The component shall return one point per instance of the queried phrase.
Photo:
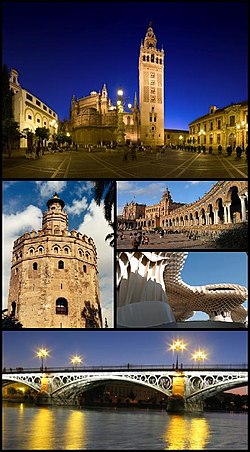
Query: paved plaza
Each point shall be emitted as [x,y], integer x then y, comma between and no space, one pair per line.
[173,164]
[167,242]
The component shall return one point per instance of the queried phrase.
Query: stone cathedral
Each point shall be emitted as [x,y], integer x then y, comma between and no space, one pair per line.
[54,276]
[94,120]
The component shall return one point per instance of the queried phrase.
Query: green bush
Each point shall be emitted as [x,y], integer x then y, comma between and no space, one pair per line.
[236,238]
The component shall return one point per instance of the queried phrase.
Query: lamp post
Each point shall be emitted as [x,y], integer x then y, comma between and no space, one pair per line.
[120,124]
[75,360]
[178,345]
[199,355]
[42,353]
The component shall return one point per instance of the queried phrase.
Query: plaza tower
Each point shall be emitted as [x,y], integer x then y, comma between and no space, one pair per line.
[54,276]
[151,87]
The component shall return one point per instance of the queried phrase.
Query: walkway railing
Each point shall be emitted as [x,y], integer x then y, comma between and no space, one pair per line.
[131,367]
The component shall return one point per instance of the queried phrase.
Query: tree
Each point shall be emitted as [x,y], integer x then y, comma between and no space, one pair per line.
[10,322]
[10,130]
[104,191]
[43,134]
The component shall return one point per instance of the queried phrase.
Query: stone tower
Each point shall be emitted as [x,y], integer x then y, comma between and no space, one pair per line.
[151,86]
[54,276]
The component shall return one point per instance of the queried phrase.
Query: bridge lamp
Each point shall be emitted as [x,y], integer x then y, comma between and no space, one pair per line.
[42,353]
[178,345]
[76,360]
[199,355]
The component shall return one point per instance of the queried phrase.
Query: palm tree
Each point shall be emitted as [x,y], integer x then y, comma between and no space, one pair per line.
[104,191]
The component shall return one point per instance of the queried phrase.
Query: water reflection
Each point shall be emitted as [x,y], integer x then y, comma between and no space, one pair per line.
[43,430]
[186,433]
[75,431]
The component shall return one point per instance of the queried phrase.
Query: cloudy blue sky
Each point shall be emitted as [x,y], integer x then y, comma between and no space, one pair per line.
[150,192]
[23,204]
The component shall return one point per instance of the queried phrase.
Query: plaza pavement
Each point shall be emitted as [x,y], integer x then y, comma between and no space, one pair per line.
[81,164]
[167,242]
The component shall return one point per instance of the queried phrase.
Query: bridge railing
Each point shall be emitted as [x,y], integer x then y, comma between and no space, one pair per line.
[130,367]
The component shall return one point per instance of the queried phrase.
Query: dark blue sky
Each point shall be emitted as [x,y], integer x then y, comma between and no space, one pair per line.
[120,347]
[66,48]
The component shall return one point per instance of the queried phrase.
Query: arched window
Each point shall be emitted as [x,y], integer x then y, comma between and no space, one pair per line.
[56,249]
[35,266]
[87,255]
[84,269]
[60,265]
[13,309]
[40,249]
[61,306]
[66,250]
[31,251]
[80,253]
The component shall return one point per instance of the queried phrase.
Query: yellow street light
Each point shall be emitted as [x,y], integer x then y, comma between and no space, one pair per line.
[178,345]
[199,355]
[76,359]
[42,353]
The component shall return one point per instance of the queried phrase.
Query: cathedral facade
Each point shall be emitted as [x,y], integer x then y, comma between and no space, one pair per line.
[54,275]
[94,120]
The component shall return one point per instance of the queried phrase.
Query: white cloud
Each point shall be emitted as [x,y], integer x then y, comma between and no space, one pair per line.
[125,186]
[48,188]
[94,225]
[78,206]
[14,225]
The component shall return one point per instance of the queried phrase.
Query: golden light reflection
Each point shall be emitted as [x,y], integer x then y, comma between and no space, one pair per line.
[43,430]
[186,433]
[75,431]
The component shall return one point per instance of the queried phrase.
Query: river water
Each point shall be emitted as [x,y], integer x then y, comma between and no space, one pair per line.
[27,427]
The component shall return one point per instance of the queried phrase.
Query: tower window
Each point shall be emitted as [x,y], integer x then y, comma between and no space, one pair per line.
[35,266]
[62,306]
[13,309]
[84,269]
[40,250]
[87,255]
[56,249]
[160,61]
[80,253]
[31,252]
[61,265]
[147,57]
[156,59]
[143,58]
[152,58]
[66,250]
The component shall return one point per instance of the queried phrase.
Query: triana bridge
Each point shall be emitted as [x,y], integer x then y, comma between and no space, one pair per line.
[60,386]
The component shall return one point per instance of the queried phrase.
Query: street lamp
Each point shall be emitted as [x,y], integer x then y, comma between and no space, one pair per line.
[42,353]
[75,360]
[120,124]
[178,345]
[199,355]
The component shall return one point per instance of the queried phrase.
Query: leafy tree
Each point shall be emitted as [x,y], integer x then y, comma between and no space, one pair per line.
[91,315]
[235,238]
[10,322]
[10,130]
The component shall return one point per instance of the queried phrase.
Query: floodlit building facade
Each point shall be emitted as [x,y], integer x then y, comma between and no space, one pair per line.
[29,111]
[54,276]
[151,292]
[224,127]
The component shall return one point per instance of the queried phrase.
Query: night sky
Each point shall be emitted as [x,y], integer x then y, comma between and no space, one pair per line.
[64,49]
[120,347]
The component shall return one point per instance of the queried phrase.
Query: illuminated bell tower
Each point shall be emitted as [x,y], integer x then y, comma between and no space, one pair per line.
[151,86]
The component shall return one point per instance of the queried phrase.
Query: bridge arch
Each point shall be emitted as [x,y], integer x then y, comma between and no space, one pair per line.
[33,382]
[212,385]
